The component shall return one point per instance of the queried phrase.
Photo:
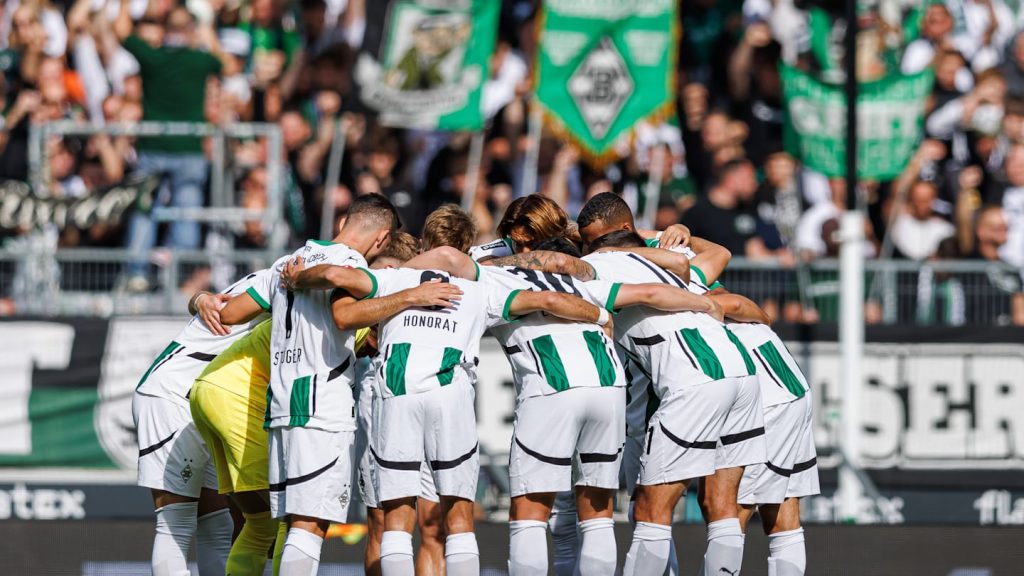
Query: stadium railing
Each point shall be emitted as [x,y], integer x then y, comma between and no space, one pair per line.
[44,280]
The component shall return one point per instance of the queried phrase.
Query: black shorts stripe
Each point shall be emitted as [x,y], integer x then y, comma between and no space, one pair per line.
[595,457]
[796,469]
[157,446]
[728,439]
[699,444]
[393,464]
[449,464]
[546,459]
[300,479]
[649,341]
[339,370]
[510,350]
[202,357]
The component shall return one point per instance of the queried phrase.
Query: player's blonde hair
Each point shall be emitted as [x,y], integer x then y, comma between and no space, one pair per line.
[403,247]
[449,225]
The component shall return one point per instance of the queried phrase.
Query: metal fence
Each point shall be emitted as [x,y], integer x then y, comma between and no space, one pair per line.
[42,280]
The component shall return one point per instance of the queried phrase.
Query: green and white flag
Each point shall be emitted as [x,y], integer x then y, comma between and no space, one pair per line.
[423,63]
[890,114]
[604,65]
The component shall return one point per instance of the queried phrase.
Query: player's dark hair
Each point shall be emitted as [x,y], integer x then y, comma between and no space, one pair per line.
[559,244]
[376,210]
[618,239]
[607,207]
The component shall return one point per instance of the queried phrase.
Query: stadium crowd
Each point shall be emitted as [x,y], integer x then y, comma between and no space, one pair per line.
[724,174]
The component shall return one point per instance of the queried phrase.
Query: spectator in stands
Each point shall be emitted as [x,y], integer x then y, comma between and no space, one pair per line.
[937,33]
[174,81]
[725,215]
[1013,67]
[1012,202]
[990,236]
[918,231]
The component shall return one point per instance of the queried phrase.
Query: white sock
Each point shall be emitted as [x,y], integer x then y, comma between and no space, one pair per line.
[527,548]
[461,555]
[175,526]
[301,556]
[725,548]
[565,540]
[213,541]
[648,554]
[673,561]
[396,554]
[597,551]
[787,554]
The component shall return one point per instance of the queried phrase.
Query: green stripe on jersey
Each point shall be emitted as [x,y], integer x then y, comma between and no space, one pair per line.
[171,349]
[299,402]
[551,363]
[506,311]
[700,274]
[706,357]
[747,360]
[394,370]
[373,282]
[602,361]
[452,358]
[613,293]
[778,365]
[257,298]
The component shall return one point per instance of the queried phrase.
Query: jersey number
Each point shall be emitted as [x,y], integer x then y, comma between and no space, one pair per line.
[430,275]
[547,281]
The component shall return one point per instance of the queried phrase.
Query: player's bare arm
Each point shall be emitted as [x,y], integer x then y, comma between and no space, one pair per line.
[208,305]
[350,313]
[553,262]
[349,308]
[667,299]
[447,259]
[740,308]
[711,258]
[674,262]
[240,309]
[564,306]
[674,235]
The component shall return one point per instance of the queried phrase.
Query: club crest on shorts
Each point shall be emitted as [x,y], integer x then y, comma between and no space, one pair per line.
[186,473]
[343,498]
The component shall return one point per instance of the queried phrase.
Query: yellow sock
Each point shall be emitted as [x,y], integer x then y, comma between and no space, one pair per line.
[282,535]
[248,554]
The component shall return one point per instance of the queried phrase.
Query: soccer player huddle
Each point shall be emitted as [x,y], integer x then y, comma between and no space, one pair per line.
[632,365]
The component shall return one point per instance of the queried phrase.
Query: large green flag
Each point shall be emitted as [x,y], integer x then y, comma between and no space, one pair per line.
[423,63]
[604,65]
[890,113]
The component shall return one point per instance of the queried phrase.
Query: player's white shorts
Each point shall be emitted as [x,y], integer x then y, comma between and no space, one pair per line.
[172,454]
[742,442]
[682,437]
[588,424]
[792,469]
[310,473]
[438,427]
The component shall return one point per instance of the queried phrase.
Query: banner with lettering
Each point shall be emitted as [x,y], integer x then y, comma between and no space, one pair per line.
[20,209]
[604,65]
[423,63]
[890,114]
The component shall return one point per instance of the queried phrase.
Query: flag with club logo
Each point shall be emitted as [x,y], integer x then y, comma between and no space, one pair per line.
[890,114]
[604,65]
[423,63]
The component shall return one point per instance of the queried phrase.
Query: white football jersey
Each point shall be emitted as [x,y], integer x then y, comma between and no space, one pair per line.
[423,349]
[185,358]
[549,354]
[311,360]
[703,341]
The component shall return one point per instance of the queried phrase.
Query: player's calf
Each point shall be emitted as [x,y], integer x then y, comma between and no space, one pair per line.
[597,550]
[430,561]
[461,554]
[528,543]
[652,537]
